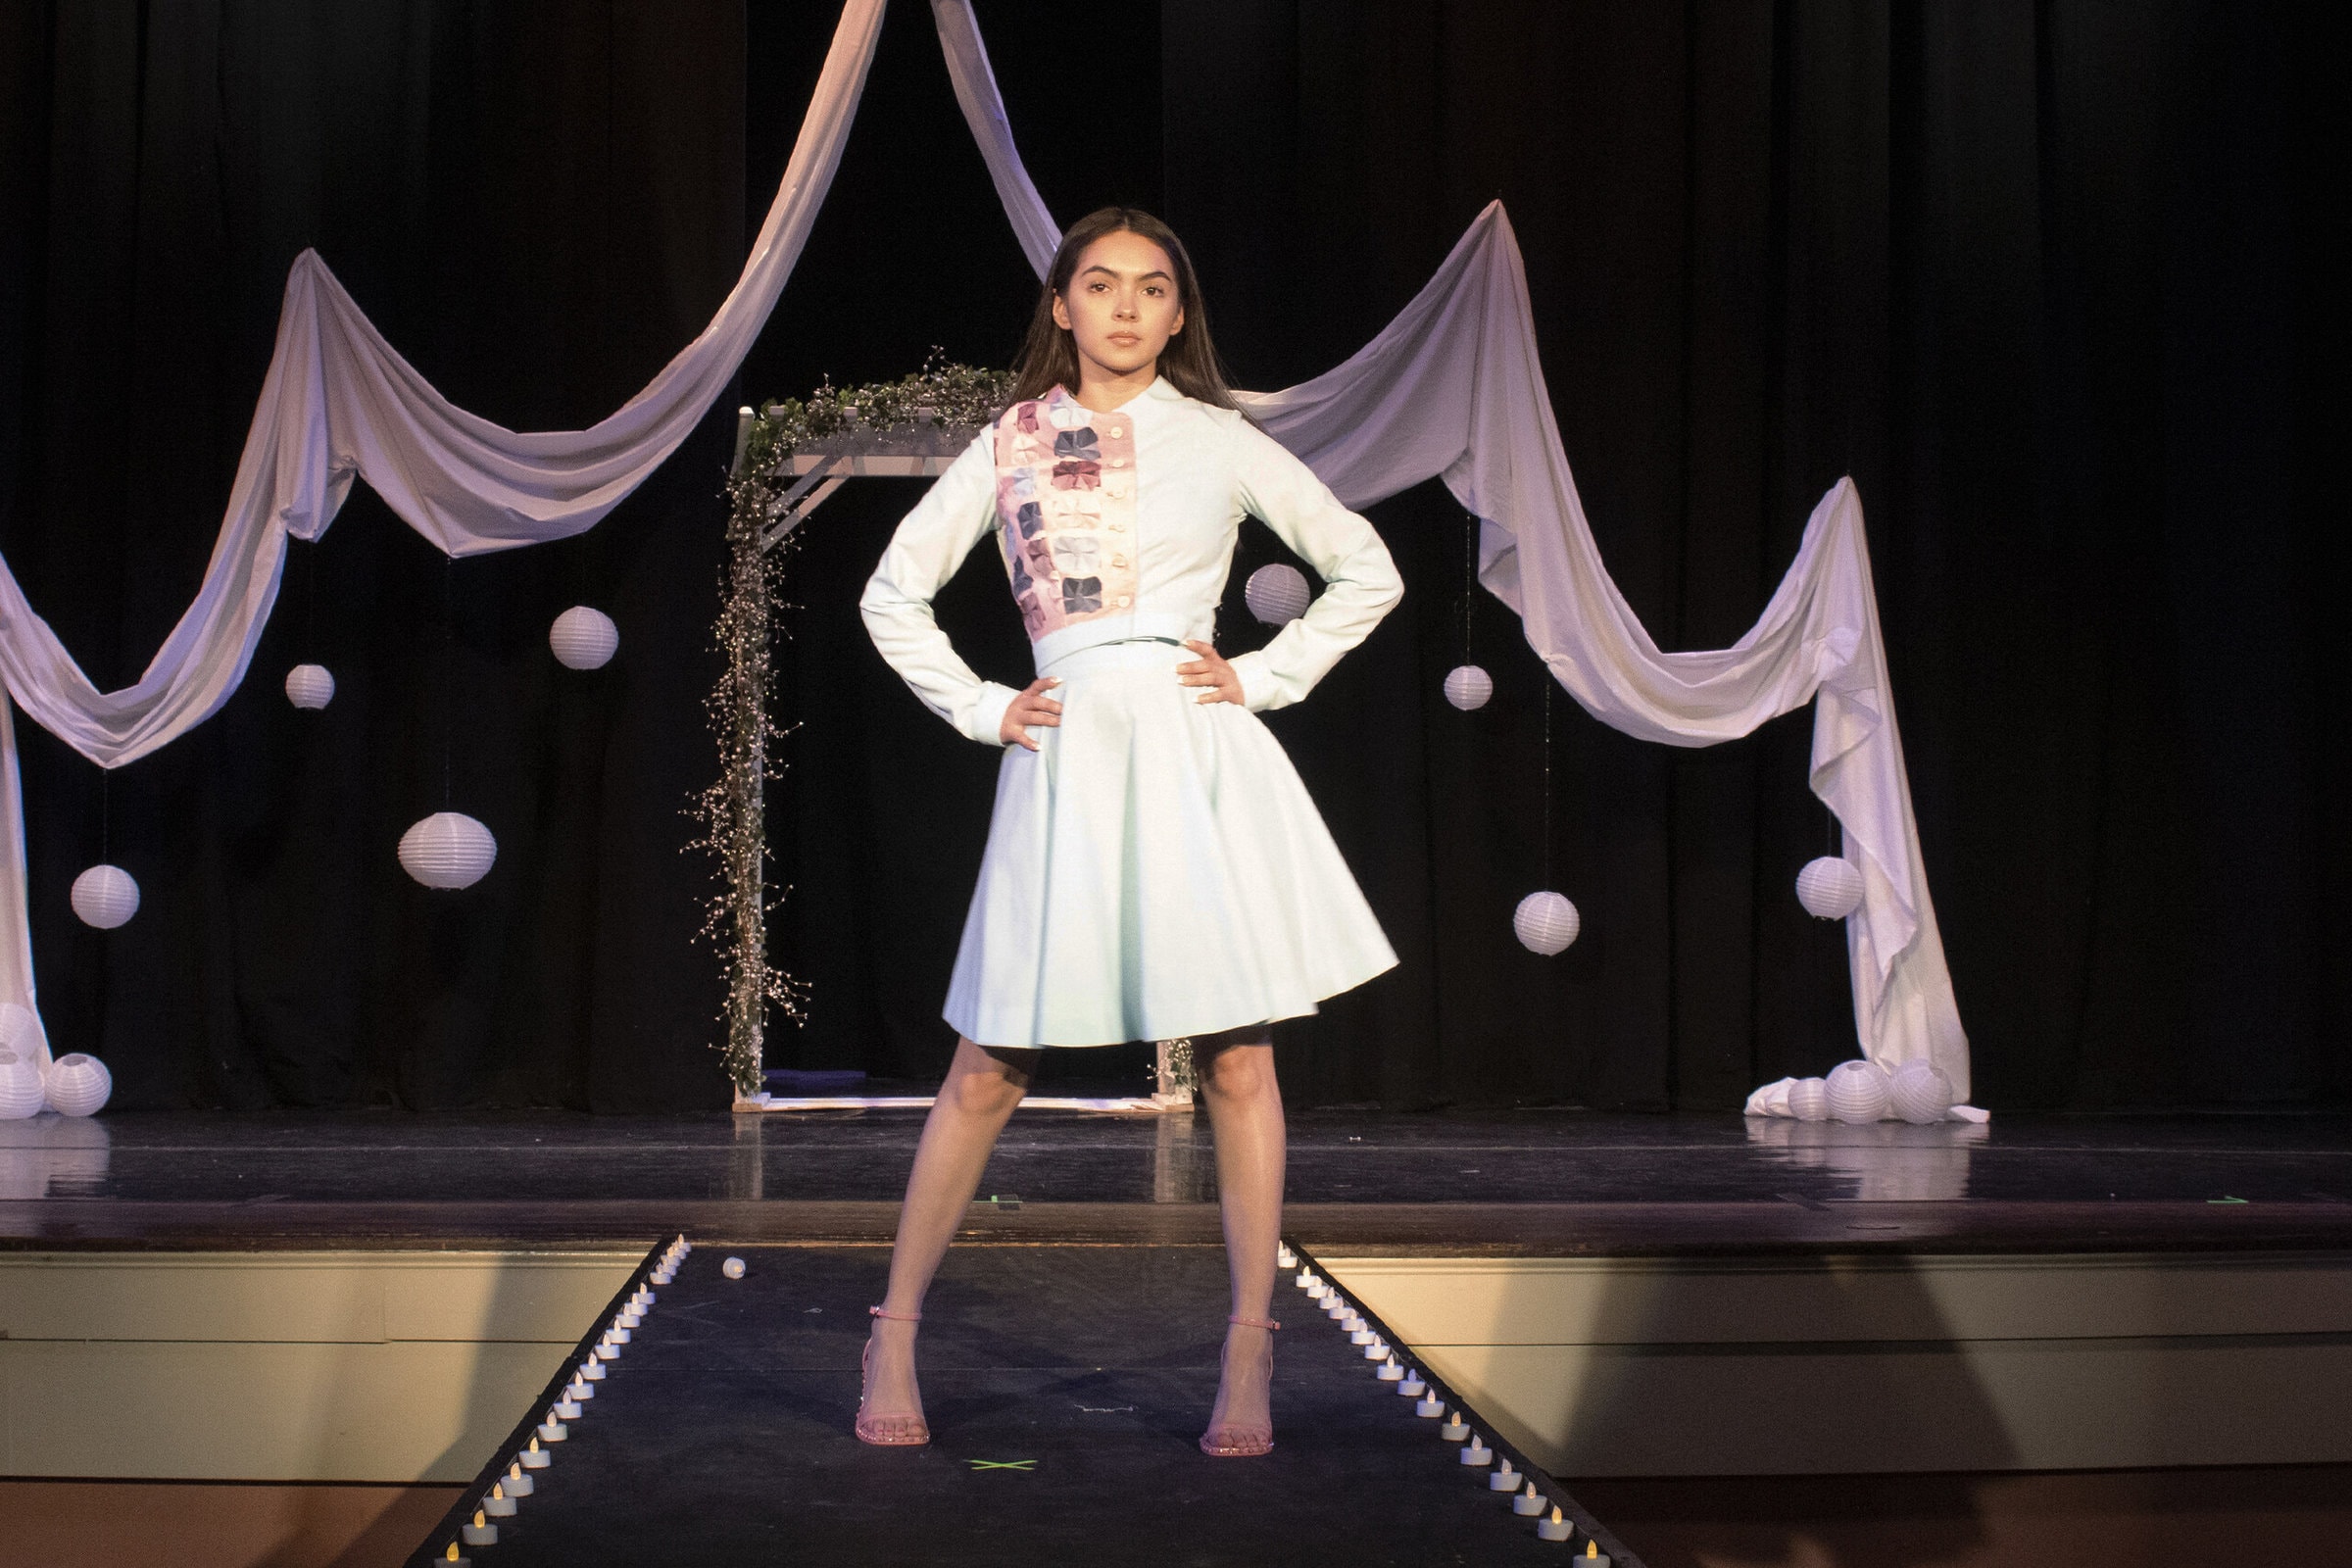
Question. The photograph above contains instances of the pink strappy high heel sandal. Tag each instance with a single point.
(906, 1436)
(1240, 1443)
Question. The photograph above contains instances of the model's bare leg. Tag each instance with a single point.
(1237, 1085)
(982, 1086)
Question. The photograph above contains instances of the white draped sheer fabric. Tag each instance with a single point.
(1452, 388)
(339, 402)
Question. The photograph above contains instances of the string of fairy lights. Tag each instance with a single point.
(942, 398)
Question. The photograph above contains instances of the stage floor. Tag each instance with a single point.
(1527, 1183)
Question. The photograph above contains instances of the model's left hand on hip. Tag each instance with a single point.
(1211, 670)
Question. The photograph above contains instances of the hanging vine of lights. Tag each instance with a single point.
(915, 413)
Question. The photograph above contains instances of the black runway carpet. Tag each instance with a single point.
(1065, 1388)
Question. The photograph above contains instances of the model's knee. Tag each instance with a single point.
(985, 1082)
(1239, 1073)
(986, 1093)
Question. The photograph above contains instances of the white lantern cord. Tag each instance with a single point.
(1467, 686)
(1545, 921)
(450, 850)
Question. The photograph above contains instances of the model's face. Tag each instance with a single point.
(1121, 306)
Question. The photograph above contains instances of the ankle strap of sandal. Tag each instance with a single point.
(901, 1317)
(1255, 1322)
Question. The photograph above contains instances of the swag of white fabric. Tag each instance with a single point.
(339, 403)
(1452, 388)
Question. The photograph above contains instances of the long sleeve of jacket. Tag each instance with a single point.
(1361, 582)
(931, 541)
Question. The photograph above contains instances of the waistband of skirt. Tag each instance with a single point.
(1129, 653)
(1048, 653)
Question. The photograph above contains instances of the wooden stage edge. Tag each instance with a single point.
(1752, 1228)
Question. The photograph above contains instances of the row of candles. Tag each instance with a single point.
(517, 1481)
(1409, 1385)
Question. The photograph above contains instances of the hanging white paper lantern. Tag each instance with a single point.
(1830, 888)
(1545, 922)
(583, 638)
(1858, 1092)
(448, 850)
(105, 896)
(1277, 594)
(1809, 1100)
(1467, 686)
(21, 1093)
(1920, 1092)
(310, 686)
(78, 1084)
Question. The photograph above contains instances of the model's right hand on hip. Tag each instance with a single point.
(1031, 707)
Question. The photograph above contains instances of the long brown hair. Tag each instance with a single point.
(1048, 355)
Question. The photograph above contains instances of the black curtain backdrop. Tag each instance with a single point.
(2056, 282)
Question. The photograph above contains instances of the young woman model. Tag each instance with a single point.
(1155, 869)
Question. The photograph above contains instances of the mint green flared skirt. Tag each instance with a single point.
(1155, 871)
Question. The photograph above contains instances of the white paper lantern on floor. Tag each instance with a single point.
(1277, 594)
(1857, 1093)
(1920, 1092)
(78, 1084)
(1830, 888)
(21, 1093)
(583, 638)
(1809, 1100)
(1545, 922)
(310, 686)
(448, 850)
(1468, 687)
(105, 896)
